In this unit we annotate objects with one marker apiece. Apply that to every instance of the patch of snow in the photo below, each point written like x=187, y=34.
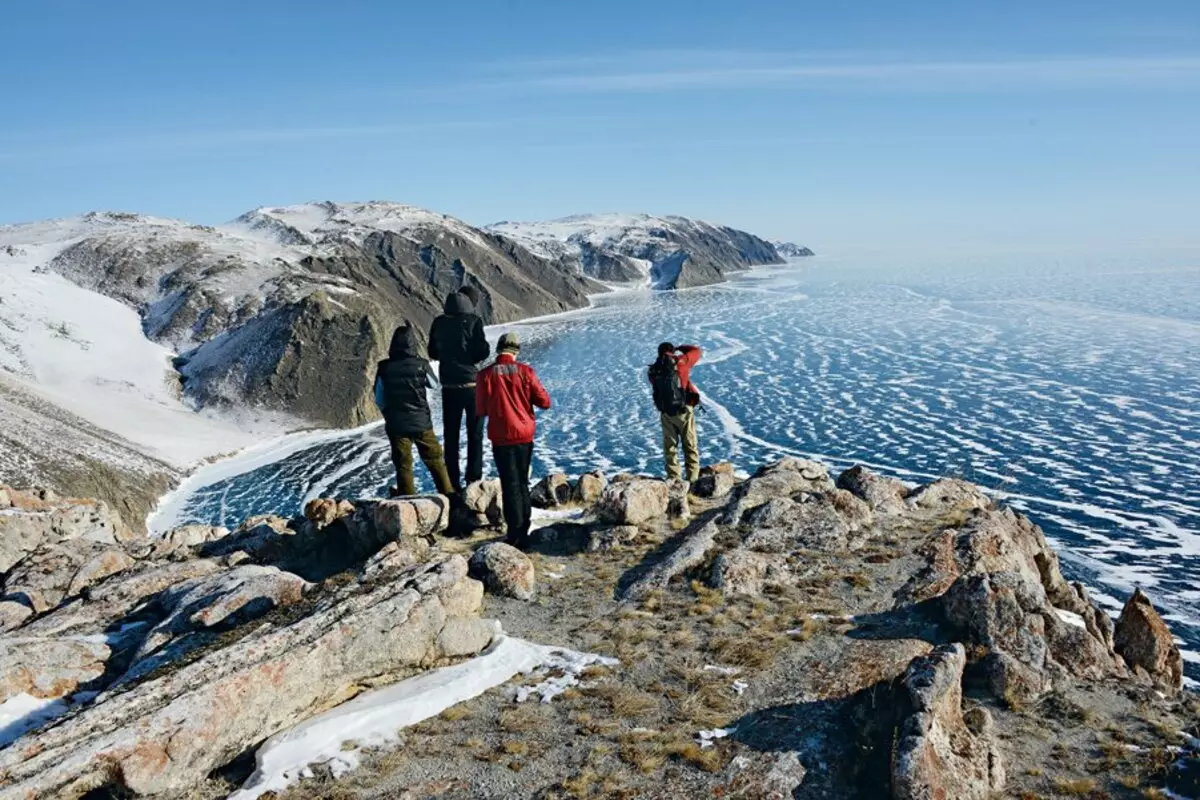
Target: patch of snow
x=721, y=670
x=22, y=713
x=739, y=687
x=708, y=738
x=563, y=667
x=372, y=719
x=1071, y=618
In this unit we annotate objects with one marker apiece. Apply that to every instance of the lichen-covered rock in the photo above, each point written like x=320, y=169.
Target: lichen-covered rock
x=53, y=572
x=633, y=502
x=938, y=752
x=691, y=547
x=782, y=479
x=483, y=498
x=182, y=540
x=233, y=596
x=13, y=614
x=166, y=733
x=412, y=516
x=396, y=556
x=825, y=521
x=742, y=572
x=97, y=568
x=35, y=519
x=947, y=496
x=323, y=511
x=48, y=668
x=589, y=488
x=466, y=636
x=1146, y=644
x=884, y=495
x=504, y=570
x=552, y=491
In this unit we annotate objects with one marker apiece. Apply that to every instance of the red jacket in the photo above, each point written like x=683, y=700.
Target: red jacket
x=689, y=355
x=506, y=393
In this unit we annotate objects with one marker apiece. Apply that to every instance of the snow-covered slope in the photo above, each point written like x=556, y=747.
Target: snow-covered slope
x=667, y=252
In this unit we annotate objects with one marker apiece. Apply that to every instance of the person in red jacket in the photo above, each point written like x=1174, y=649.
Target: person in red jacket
x=676, y=399
x=506, y=393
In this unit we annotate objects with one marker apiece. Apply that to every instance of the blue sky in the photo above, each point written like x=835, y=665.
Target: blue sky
x=877, y=124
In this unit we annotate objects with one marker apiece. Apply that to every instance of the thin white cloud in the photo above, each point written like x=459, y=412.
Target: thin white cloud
x=670, y=72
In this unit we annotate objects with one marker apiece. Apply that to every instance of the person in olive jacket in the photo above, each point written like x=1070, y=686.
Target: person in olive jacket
x=458, y=344
x=400, y=385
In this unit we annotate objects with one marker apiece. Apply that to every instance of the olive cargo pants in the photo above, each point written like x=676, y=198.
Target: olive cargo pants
x=676, y=429
x=430, y=452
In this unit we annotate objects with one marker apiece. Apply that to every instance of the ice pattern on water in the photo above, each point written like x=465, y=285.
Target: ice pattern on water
x=1071, y=391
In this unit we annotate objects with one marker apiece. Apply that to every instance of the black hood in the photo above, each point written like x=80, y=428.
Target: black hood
x=457, y=303
x=404, y=343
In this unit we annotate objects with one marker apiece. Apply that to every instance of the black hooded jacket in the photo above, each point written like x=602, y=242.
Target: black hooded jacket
x=400, y=386
x=457, y=343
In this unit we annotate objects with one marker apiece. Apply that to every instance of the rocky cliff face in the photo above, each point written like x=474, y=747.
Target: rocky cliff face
x=788, y=635
x=791, y=250
x=669, y=252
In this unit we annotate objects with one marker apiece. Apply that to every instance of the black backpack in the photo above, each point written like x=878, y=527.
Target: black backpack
x=669, y=396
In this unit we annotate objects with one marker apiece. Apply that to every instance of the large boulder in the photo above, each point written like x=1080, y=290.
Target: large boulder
x=166, y=733
x=689, y=549
x=13, y=614
x=552, y=491
x=53, y=572
x=504, y=570
x=1146, y=644
x=412, y=516
x=589, y=488
x=633, y=502
x=483, y=498
x=180, y=542
x=48, y=668
x=323, y=511
x=883, y=495
x=939, y=751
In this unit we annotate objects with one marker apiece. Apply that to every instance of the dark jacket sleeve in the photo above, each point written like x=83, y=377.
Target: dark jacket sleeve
x=433, y=340
x=691, y=354
x=537, y=393
x=482, y=387
x=478, y=348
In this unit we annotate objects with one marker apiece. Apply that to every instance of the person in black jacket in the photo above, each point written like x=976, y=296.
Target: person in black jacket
x=400, y=385
x=457, y=343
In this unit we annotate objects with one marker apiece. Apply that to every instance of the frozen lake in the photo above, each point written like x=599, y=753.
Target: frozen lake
x=1072, y=388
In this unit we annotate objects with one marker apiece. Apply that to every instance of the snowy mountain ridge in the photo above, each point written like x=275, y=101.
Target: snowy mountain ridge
x=665, y=251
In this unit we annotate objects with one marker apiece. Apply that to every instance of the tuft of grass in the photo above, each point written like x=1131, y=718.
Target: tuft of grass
x=858, y=580
x=1033, y=772
x=514, y=748
x=520, y=719
x=707, y=759
x=1128, y=781
x=746, y=650
x=580, y=784
x=1074, y=788
x=455, y=713
x=625, y=702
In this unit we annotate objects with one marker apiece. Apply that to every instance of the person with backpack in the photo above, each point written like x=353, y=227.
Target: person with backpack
x=676, y=400
x=400, y=384
x=506, y=393
x=458, y=344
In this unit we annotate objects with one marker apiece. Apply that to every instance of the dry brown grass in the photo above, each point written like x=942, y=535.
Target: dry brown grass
x=858, y=580
x=455, y=713
x=745, y=650
x=580, y=784
x=1074, y=788
x=514, y=747
x=520, y=719
x=708, y=759
x=625, y=702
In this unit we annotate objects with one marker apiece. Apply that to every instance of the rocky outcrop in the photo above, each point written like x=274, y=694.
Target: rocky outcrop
x=504, y=570
x=791, y=250
x=782, y=479
x=940, y=752
x=483, y=498
x=167, y=732
x=689, y=550
x=1146, y=644
x=589, y=488
x=715, y=481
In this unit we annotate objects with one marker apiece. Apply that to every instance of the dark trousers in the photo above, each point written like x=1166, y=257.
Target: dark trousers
x=455, y=403
x=431, y=454
x=512, y=462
